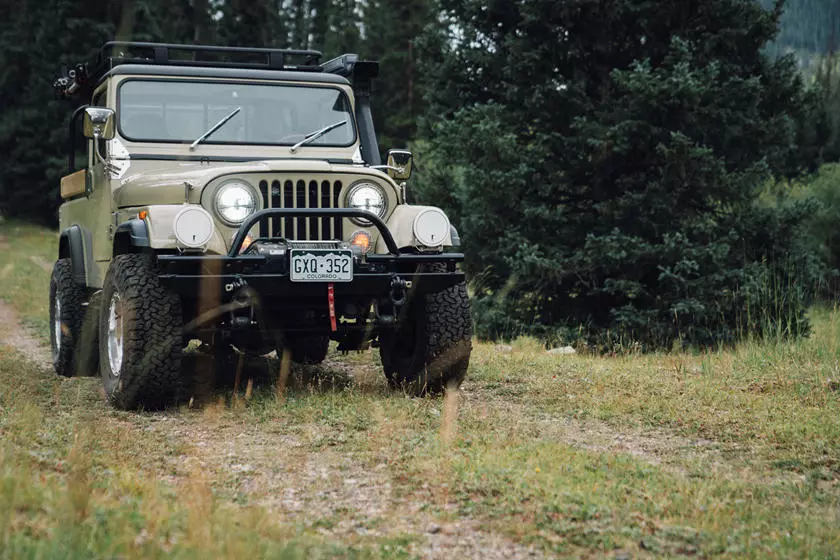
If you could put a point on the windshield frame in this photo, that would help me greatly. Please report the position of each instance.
(209, 142)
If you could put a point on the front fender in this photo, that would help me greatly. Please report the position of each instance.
(158, 228)
(74, 243)
(401, 225)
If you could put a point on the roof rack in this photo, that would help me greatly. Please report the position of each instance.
(82, 78)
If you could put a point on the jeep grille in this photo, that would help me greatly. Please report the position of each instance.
(301, 194)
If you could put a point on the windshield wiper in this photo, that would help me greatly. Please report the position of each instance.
(316, 134)
(215, 127)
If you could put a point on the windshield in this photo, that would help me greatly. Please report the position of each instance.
(180, 111)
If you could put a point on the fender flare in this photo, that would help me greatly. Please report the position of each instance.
(71, 245)
(456, 237)
(131, 237)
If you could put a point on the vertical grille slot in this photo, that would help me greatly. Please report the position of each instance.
(326, 232)
(276, 202)
(300, 202)
(288, 202)
(313, 231)
(300, 193)
(338, 228)
(264, 227)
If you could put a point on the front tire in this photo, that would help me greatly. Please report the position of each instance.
(429, 350)
(139, 336)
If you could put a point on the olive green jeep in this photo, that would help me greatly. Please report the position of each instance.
(237, 197)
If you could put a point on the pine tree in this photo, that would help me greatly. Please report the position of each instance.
(35, 39)
(604, 162)
(391, 28)
(251, 23)
(343, 33)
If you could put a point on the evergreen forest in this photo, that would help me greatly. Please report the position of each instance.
(625, 174)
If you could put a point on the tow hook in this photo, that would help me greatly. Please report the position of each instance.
(383, 319)
(398, 286)
(244, 299)
(395, 300)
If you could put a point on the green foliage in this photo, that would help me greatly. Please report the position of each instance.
(36, 37)
(809, 28)
(823, 224)
(826, 91)
(604, 165)
(391, 28)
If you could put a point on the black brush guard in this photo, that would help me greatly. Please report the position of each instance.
(373, 275)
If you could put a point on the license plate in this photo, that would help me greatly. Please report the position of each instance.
(321, 265)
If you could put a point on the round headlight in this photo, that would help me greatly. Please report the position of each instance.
(369, 197)
(234, 202)
(431, 227)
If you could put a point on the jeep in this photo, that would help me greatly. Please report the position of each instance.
(236, 196)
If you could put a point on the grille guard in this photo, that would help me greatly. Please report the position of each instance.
(255, 218)
(373, 277)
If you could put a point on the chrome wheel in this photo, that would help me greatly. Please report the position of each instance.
(57, 325)
(115, 334)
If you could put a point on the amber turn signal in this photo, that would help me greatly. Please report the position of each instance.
(361, 239)
(246, 243)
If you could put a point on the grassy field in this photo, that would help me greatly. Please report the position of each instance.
(731, 454)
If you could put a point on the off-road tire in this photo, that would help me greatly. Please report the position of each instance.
(149, 375)
(87, 349)
(72, 299)
(307, 349)
(429, 351)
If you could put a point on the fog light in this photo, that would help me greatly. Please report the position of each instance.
(431, 227)
(361, 239)
(193, 227)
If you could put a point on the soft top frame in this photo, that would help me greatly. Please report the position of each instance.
(82, 78)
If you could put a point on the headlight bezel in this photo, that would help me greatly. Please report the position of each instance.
(355, 188)
(220, 190)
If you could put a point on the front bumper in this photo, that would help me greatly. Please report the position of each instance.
(374, 276)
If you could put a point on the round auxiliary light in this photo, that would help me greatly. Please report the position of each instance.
(193, 227)
(369, 197)
(234, 202)
(431, 227)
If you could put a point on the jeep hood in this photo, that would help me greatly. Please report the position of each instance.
(166, 183)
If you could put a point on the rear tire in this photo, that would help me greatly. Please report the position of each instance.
(429, 350)
(87, 350)
(140, 339)
(67, 313)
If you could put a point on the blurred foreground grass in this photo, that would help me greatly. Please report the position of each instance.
(732, 453)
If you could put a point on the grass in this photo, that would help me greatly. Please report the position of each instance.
(732, 454)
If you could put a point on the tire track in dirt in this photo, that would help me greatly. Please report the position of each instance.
(15, 335)
(336, 492)
(339, 493)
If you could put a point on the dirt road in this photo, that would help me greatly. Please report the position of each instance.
(280, 470)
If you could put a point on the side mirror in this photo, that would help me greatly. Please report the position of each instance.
(399, 164)
(99, 123)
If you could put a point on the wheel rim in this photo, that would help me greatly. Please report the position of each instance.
(57, 325)
(115, 334)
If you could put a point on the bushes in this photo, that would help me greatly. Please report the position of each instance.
(823, 225)
(616, 198)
